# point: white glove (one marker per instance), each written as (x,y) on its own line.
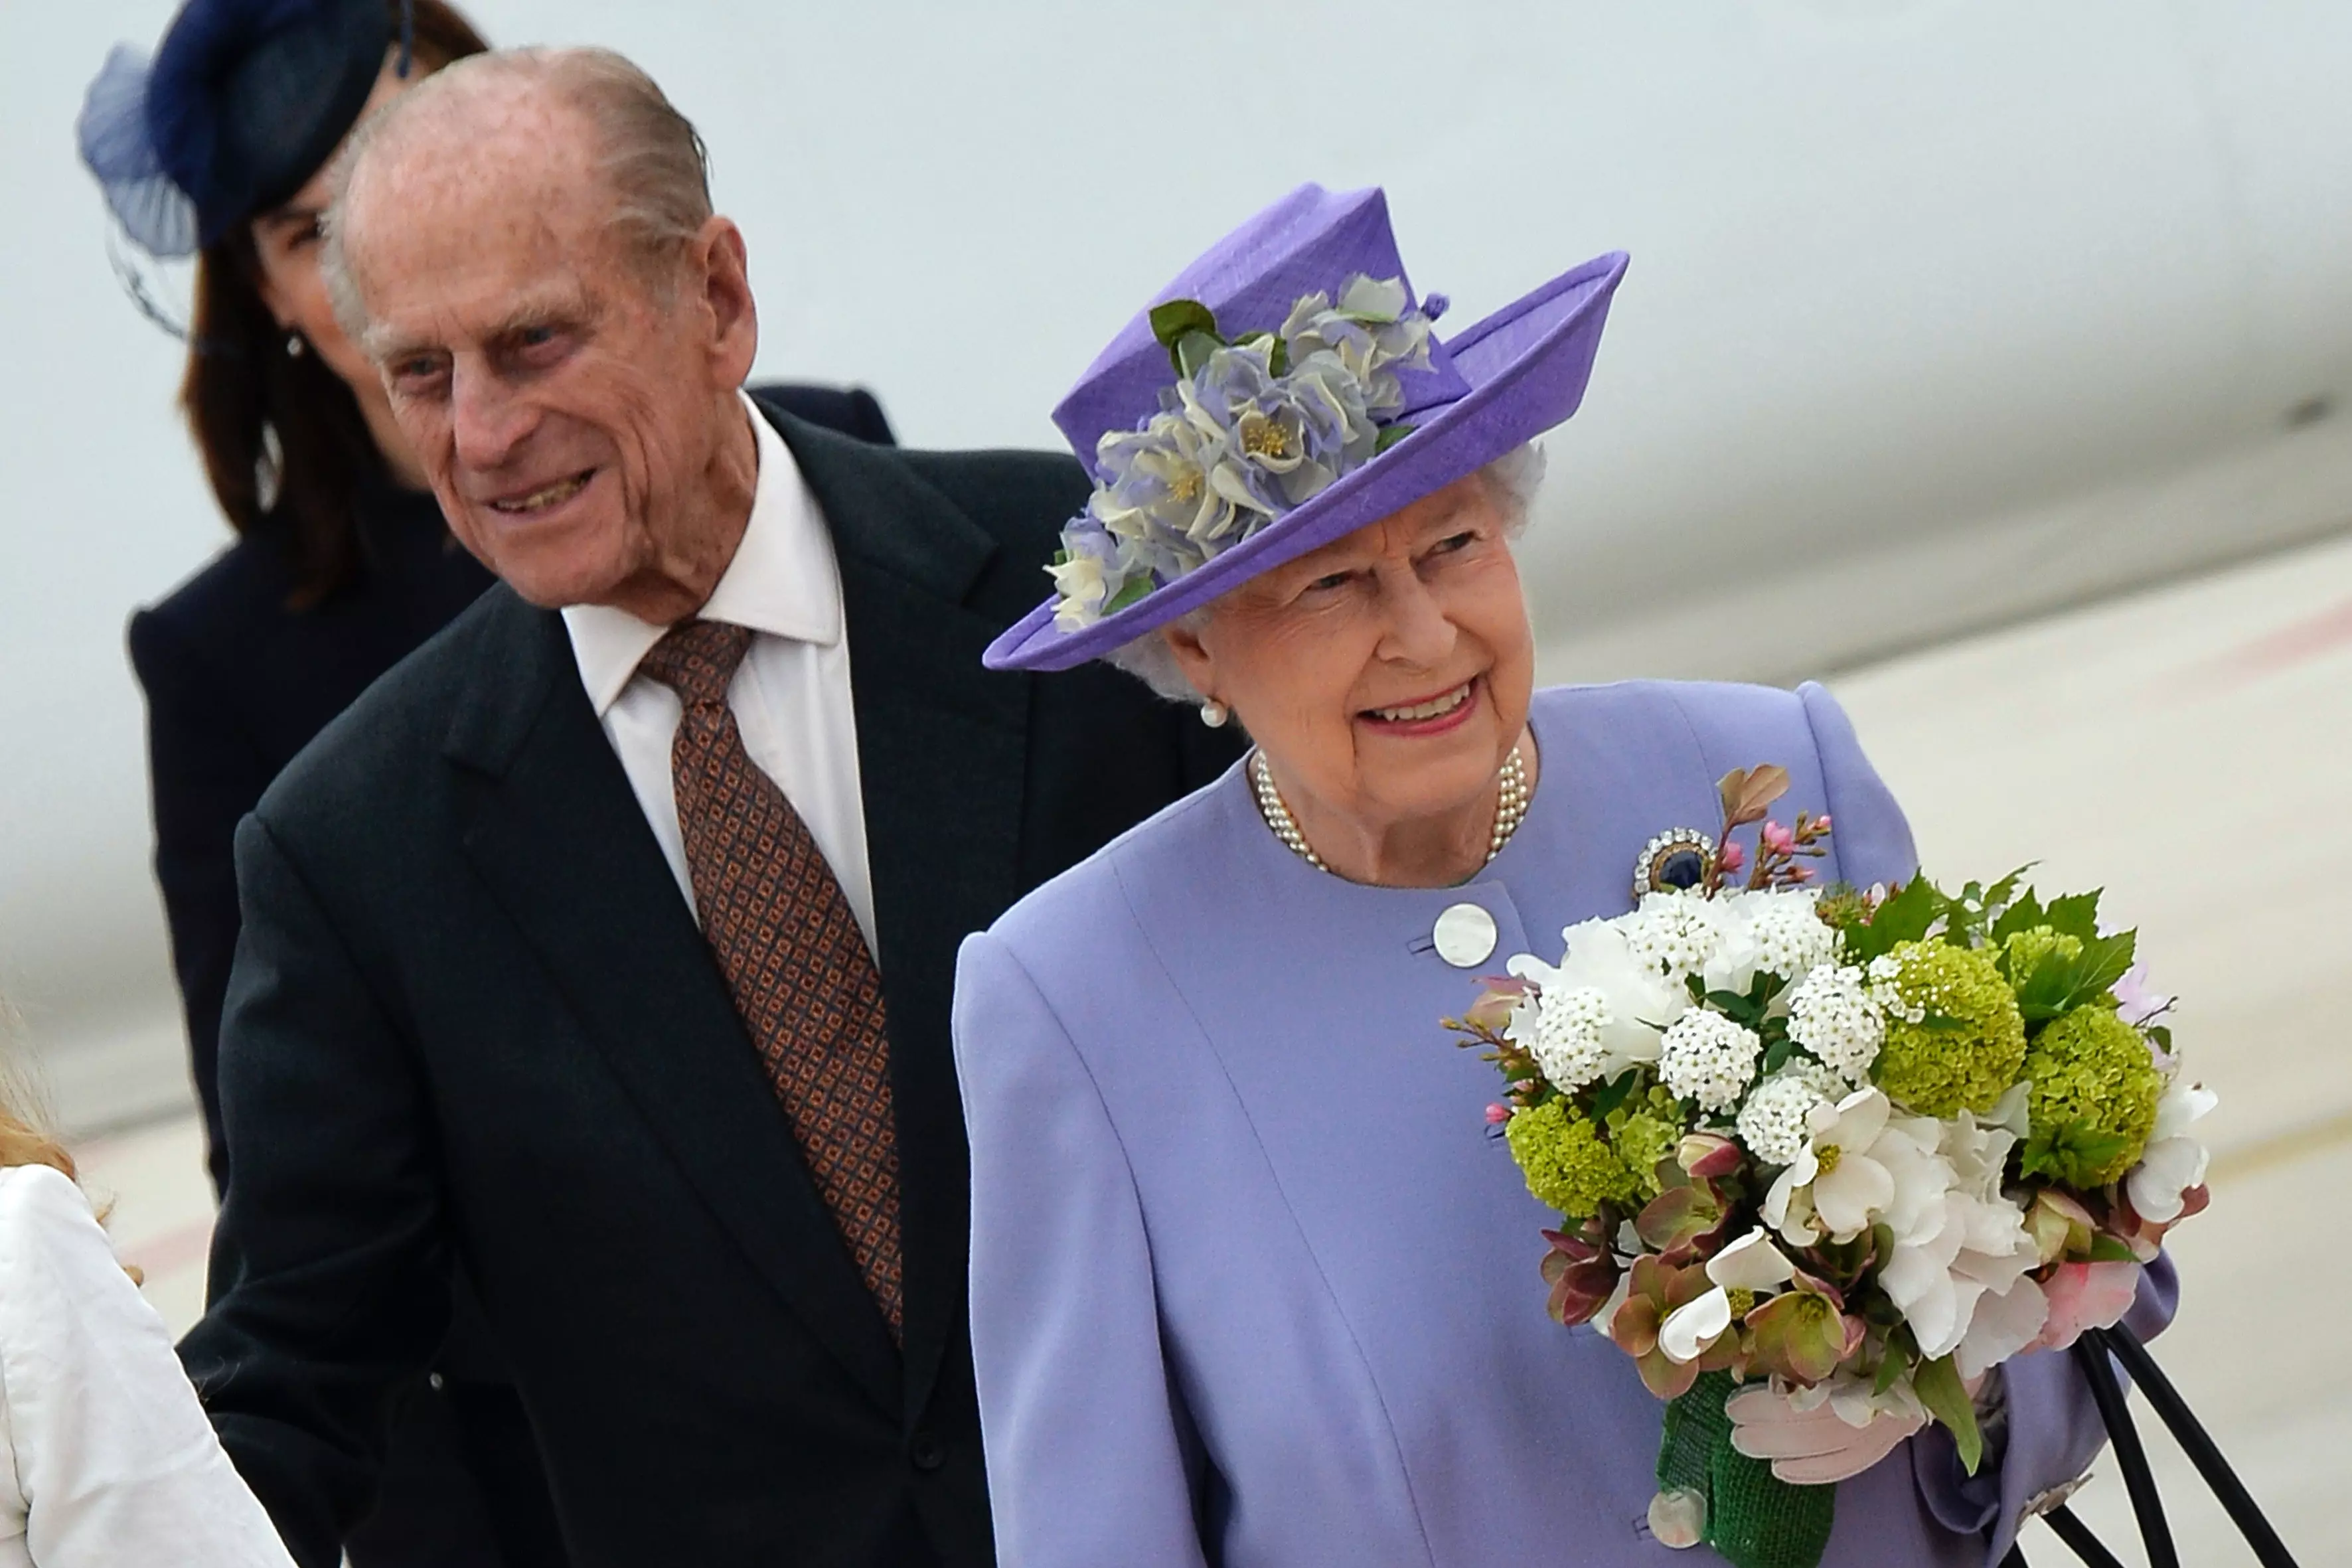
(1810,1447)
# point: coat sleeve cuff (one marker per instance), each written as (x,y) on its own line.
(2054,1434)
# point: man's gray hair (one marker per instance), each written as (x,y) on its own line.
(648,154)
(1512,479)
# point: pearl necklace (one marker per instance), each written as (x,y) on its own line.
(1510,809)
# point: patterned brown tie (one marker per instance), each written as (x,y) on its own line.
(796,962)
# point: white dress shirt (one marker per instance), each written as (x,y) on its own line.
(106,1460)
(791,697)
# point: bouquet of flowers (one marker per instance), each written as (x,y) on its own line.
(1867,1146)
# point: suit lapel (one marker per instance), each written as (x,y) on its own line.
(941,753)
(557,833)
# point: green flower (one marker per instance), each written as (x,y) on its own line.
(1565,1161)
(1954,1037)
(2024,952)
(1645,1132)
(2093,1103)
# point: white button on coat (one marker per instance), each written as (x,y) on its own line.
(1466,935)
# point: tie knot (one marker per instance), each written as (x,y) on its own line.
(697,659)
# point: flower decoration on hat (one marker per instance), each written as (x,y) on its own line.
(1253,427)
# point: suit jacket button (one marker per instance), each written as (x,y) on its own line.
(927,1453)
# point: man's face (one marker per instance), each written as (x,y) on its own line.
(567,408)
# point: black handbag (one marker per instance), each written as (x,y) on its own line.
(2093,1350)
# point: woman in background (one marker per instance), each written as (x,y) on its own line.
(341,566)
(105,1456)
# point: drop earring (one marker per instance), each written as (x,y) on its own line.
(293,345)
(1215,713)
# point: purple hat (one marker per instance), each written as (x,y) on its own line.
(1286,391)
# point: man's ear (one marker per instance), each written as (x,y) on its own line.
(1193,656)
(722,266)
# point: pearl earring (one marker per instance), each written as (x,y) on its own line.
(1215,713)
(293,345)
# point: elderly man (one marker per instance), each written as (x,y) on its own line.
(606,944)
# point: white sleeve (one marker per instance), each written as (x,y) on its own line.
(116,1461)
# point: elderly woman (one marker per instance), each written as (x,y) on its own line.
(1248,1287)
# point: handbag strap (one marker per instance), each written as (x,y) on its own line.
(2199,1444)
(2093,1350)
(2139,1480)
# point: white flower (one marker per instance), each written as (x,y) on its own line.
(1562,1024)
(1676,932)
(1885,971)
(1960,1248)
(1690,1327)
(1860,1164)
(1776,932)
(2005,1323)
(1707,1057)
(1773,1123)
(1634,1003)
(1831,1015)
(1751,1263)
(1857,1400)
(1962,1243)
(2174,1161)
(1084,585)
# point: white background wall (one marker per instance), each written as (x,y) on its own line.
(1939,311)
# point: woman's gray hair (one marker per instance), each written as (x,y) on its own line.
(649,154)
(1512,480)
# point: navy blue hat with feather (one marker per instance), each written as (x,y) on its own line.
(242,103)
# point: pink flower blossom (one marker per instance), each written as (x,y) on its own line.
(2086,1296)
(1497,1114)
(2136,1003)
(1778,839)
(1730,859)
(1822,822)
(1801,873)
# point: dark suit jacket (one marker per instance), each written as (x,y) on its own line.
(237,681)
(472,1017)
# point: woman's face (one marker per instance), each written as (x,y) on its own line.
(286,238)
(1386,675)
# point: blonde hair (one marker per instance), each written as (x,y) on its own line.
(22,1140)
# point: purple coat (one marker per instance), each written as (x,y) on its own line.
(1250,1283)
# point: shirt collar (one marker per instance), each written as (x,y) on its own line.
(783,580)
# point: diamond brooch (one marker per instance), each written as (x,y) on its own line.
(1674,861)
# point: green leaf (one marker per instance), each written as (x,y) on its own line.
(1938,1385)
(1907,915)
(1997,897)
(1192,350)
(1735,1008)
(1614,1093)
(2105,1248)
(1278,358)
(2076,915)
(1390,435)
(1901,1346)
(1777,1055)
(2022,915)
(2069,1155)
(1133,589)
(1177,319)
